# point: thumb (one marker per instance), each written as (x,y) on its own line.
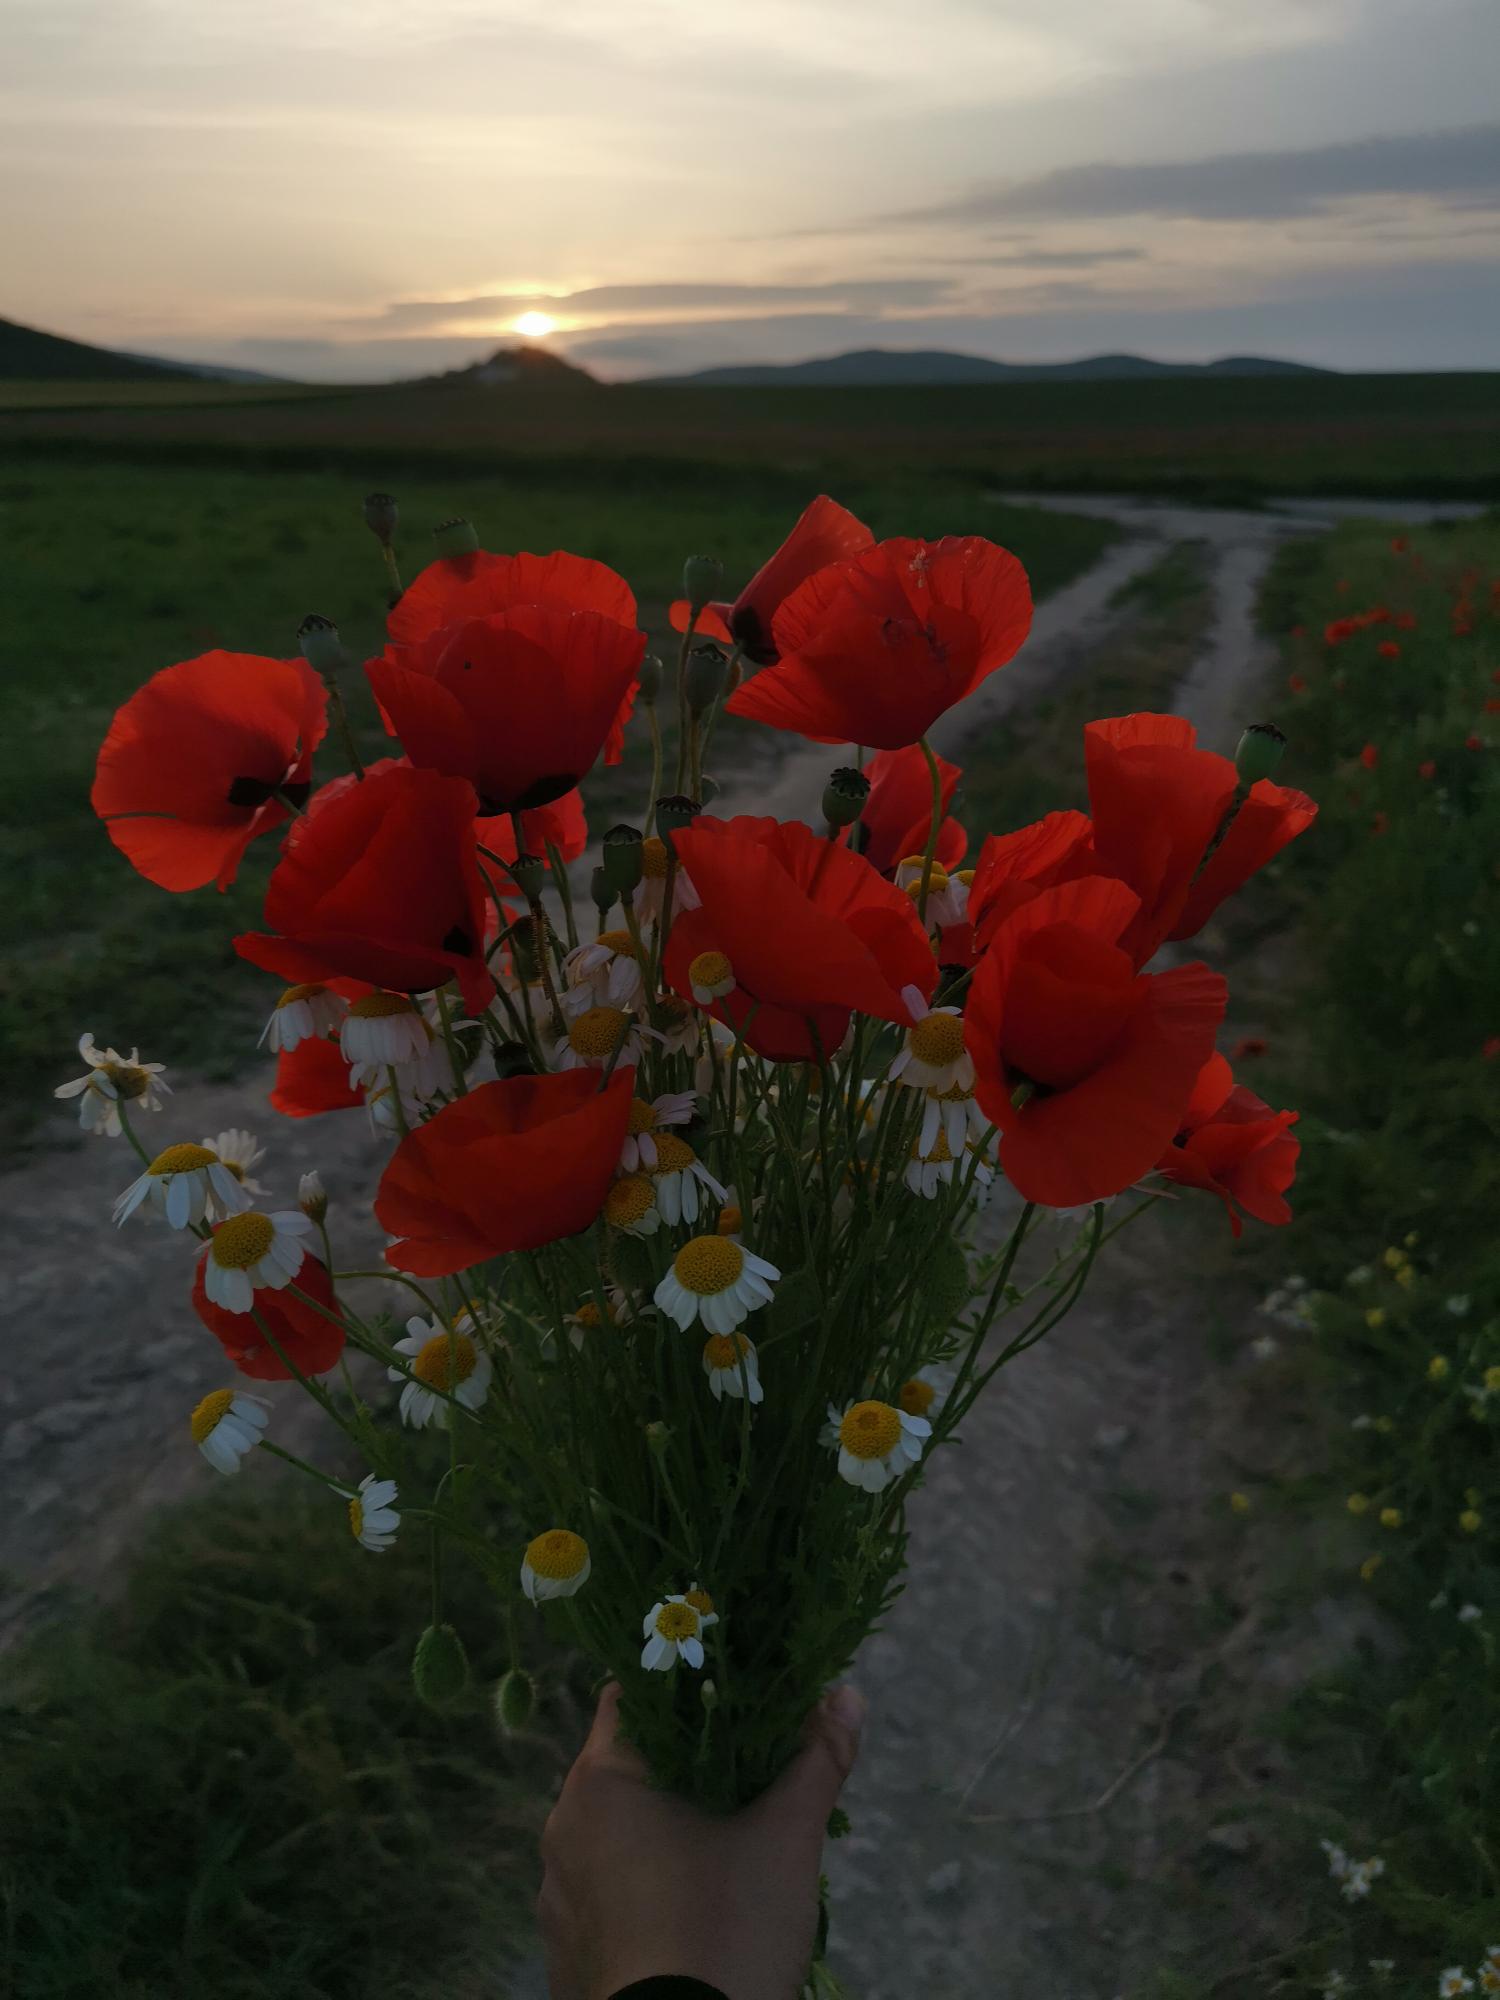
(807,1790)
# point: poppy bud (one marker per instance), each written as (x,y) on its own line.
(674,813)
(703,682)
(312,1198)
(525,949)
(702,576)
(659,1438)
(1260,751)
(622,865)
(650,678)
(602,893)
(321,647)
(440,1666)
(844,795)
(529,873)
(381,517)
(515,1698)
(513,1059)
(455,537)
(710,788)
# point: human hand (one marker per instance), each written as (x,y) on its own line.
(640,1884)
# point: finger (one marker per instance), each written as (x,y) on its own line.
(807,1790)
(606,1748)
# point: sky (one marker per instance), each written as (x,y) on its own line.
(355,190)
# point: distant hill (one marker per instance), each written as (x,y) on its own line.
(522,367)
(887,368)
(29,355)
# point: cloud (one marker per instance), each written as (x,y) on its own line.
(847,294)
(1462,166)
(1059,260)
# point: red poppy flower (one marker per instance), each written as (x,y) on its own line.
(382,884)
(519,703)
(1399,545)
(188,773)
(1085,1064)
(1296,684)
(561,825)
(1158,804)
(825,533)
(1235,1146)
(512,1166)
(1405,621)
(1014,867)
(1473,742)
(311,1079)
(811,933)
(1427,768)
(1491,1048)
(1369,756)
(897,818)
(1380,823)
(1388,650)
(1338,631)
(308,1338)
(875,649)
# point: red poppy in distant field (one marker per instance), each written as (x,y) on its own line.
(1388,650)
(897,818)
(310,1340)
(382,883)
(1473,741)
(1159,804)
(1399,545)
(811,933)
(1299,632)
(1335,633)
(511,1166)
(311,1079)
(561,825)
(193,764)
(519,703)
(1492,705)
(1369,756)
(1233,1145)
(1380,823)
(875,649)
(1427,768)
(1085,1064)
(825,533)
(1296,684)
(1249,1046)
(1405,621)
(1491,1048)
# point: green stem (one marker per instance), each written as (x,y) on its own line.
(564,892)
(932,832)
(340,716)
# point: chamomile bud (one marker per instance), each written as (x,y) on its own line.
(312,1196)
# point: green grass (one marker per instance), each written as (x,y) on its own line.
(224,1785)
(63,393)
(114,571)
(1232,438)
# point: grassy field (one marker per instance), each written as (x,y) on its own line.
(63,393)
(1233,438)
(116,571)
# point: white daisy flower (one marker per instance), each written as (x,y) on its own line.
(650,892)
(631,1205)
(440,1360)
(927,1172)
(302,1014)
(1358,1875)
(253,1250)
(556,1564)
(877,1442)
(1338,1860)
(312,1196)
(586,1318)
(711,976)
(227,1424)
(947,896)
(671,1630)
(595,1035)
(932,1055)
(923,1395)
(381,1103)
(1453,1982)
(677,1176)
(113,1080)
(732,1366)
(604,973)
(240,1153)
(715,1280)
(1468,1614)
(675,1107)
(373,1521)
(677,1025)
(955,1114)
(381,1030)
(184,1184)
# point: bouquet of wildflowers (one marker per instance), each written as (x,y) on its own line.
(707,1217)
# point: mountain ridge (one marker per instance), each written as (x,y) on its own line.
(889,367)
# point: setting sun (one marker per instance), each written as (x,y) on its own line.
(535,325)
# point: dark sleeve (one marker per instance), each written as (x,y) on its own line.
(672,1986)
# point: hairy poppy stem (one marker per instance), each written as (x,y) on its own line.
(346,732)
(682,707)
(932,832)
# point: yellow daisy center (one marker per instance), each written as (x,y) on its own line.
(377,1006)
(642,1118)
(356,1516)
(182,1160)
(677,1621)
(621,943)
(654,859)
(708,1264)
(723,1350)
(673,1155)
(558,1554)
(629,1199)
(234,1167)
(445,1361)
(127,1079)
(597,1033)
(701,1602)
(913,864)
(210,1413)
(588,1316)
(710,968)
(295,993)
(954,1094)
(938,1153)
(243,1240)
(916,1397)
(937,1040)
(731,1220)
(870,1430)
(966,876)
